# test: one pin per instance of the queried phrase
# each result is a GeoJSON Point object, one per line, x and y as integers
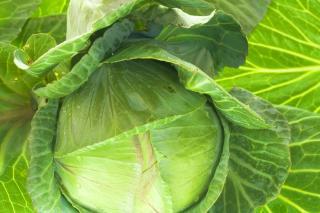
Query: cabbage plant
{"type": "Point", "coordinates": [127, 114]}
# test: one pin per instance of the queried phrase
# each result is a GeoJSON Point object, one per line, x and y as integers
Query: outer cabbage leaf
{"type": "Point", "coordinates": [103, 46]}
{"type": "Point", "coordinates": [15, 116]}
{"type": "Point", "coordinates": [42, 186]}
{"type": "Point", "coordinates": [247, 12]}
{"type": "Point", "coordinates": [78, 40]}
{"type": "Point", "coordinates": [259, 160]}
{"type": "Point", "coordinates": [13, 15]}
{"type": "Point", "coordinates": [211, 45]}
{"type": "Point", "coordinates": [16, 111]}
{"type": "Point", "coordinates": [301, 191]}
{"type": "Point", "coordinates": [283, 65]}
{"type": "Point", "coordinates": [194, 79]}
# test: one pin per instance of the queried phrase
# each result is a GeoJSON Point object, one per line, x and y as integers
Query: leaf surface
{"type": "Point", "coordinates": [15, 115]}
{"type": "Point", "coordinates": [301, 191]}
{"type": "Point", "coordinates": [13, 15]}
{"type": "Point", "coordinates": [42, 186]}
{"type": "Point", "coordinates": [259, 160]}
{"type": "Point", "coordinates": [102, 15]}
{"type": "Point", "coordinates": [79, 74]}
{"type": "Point", "coordinates": [283, 65]}
{"type": "Point", "coordinates": [247, 12]}
{"type": "Point", "coordinates": [194, 79]}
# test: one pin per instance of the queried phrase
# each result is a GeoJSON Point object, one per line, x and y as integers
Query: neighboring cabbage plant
{"type": "Point", "coordinates": [129, 117]}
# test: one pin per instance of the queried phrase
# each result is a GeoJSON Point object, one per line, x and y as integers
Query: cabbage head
{"type": "Point", "coordinates": [130, 117]}
{"type": "Point", "coordinates": [133, 135]}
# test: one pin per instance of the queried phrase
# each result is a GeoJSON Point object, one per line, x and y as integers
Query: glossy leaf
{"type": "Point", "coordinates": [284, 61]}
{"type": "Point", "coordinates": [259, 160]}
{"type": "Point", "coordinates": [301, 191]}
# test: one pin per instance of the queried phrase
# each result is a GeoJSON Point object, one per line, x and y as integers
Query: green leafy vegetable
{"type": "Point", "coordinates": [139, 106]}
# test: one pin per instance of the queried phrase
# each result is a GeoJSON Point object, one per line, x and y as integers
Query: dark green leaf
{"type": "Point", "coordinates": [210, 46]}
{"type": "Point", "coordinates": [247, 12]}
{"type": "Point", "coordinates": [259, 160]}
{"type": "Point", "coordinates": [42, 185]}
{"type": "Point", "coordinates": [301, 191]}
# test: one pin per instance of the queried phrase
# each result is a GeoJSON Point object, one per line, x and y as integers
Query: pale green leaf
{"type": "Point", "coordinates": [301, 191]}
{"type": "Point", "coordinates": [284, 58]}
{"type": "Point", "coordinates": [218, 181]}
{"type": "Point", "coordinates": [151, 119]}
{"type": "Point", "coordinates": [259, 160]}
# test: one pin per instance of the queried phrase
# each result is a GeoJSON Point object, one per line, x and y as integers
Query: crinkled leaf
{"type": "Point", "coordinates": [13, 15]}
{"type": "Point", "coordinates": [42, 185]}
{"type": "Point", "coordinates": [259, 160]}
{"type": "Point", "coordinates": [194, 79]}
{"type": "Point", "coordinates": [77, 38]}
{"type": "Point", "coordinates": [247, 12]}
{"type": "Point", "coordinates": [101, 47]}
{"type": "Point", "coordinates": [210, 46]}
{"type": "Point", "coordinates": [284, 60]}
{"type": "Point", "coordinates": [301, 191]}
